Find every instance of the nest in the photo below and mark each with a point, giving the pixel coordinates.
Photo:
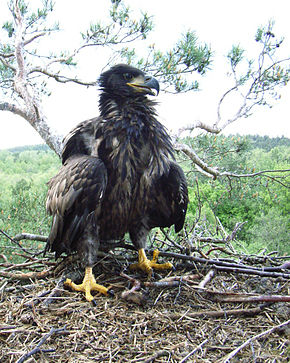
(196, 313)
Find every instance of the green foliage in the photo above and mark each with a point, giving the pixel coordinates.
(272, 227)
(121, 28)
(267, 143)
(259, 78)
(8, 26)
(229, 153)
(251, 200)
(174, 66)
(236, 55)
(24, 173)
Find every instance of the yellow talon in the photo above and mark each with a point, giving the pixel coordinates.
(146, 265)
(89, 284)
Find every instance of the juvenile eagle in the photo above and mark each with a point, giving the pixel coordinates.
(118, 175)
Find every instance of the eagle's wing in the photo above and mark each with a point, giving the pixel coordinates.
(81, 140)
(171, 199)
(74, 193)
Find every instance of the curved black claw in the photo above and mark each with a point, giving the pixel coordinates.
(94, 302)
(111, 292)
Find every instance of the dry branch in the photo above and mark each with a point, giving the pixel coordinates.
(228, 358)
(219, 313)
(230, 266)
(42, 341)
(172, 281)
(208, 277)
(194, 351)
(218, 296)
(251, 298)
(30, 236)
(161, 353)
(27, 275)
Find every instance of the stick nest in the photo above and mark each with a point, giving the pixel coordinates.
(196, 313)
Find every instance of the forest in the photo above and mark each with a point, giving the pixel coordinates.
(216, 206)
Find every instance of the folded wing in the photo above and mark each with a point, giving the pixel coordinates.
(171, 199)
(74, 196)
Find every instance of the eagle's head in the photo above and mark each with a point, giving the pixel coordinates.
(123, 81)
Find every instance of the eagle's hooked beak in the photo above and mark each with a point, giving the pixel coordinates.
(145, 85)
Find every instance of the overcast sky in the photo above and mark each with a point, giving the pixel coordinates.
(218, 23)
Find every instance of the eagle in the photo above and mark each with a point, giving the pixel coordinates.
(118, 176)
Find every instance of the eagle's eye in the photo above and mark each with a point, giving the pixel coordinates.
(128, 76)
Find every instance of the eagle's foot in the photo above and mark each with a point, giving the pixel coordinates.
(89, 284)
(147, 266)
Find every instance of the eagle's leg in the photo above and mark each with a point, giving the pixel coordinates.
(89, 284)
(146, 265)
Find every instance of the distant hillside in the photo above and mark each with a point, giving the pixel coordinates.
(39, 147)
(267, 143)
(255, 142)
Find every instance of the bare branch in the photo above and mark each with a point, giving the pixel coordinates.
(5, 106)
(231, 355)
(28, 41)
(60, 78)
(5, 63)
(207, 170)
(30, 236)
(198, 125)
(42, 341)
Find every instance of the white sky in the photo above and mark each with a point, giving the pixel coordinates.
(219, 23)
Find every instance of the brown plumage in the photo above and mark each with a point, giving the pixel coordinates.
(118, 176)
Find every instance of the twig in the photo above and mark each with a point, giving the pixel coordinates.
(42, 341)
(161, 353)
(27, 275)
(173, 281)
(220, 313)
(208, 277)
(194, 350)
(252, 271)
(229, 267)
(30, 236)
(228, 358)
(55, 292)
(133, 295)
(14, 241)
(249, 298)
(4, 257)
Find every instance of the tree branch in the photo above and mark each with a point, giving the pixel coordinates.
(42, 341)
(231, 355)
(60, 78)
(6, 106)
(205, 169)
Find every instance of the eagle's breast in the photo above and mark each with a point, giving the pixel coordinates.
(132, 167)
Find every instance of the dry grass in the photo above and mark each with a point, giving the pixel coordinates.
(40, 321)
